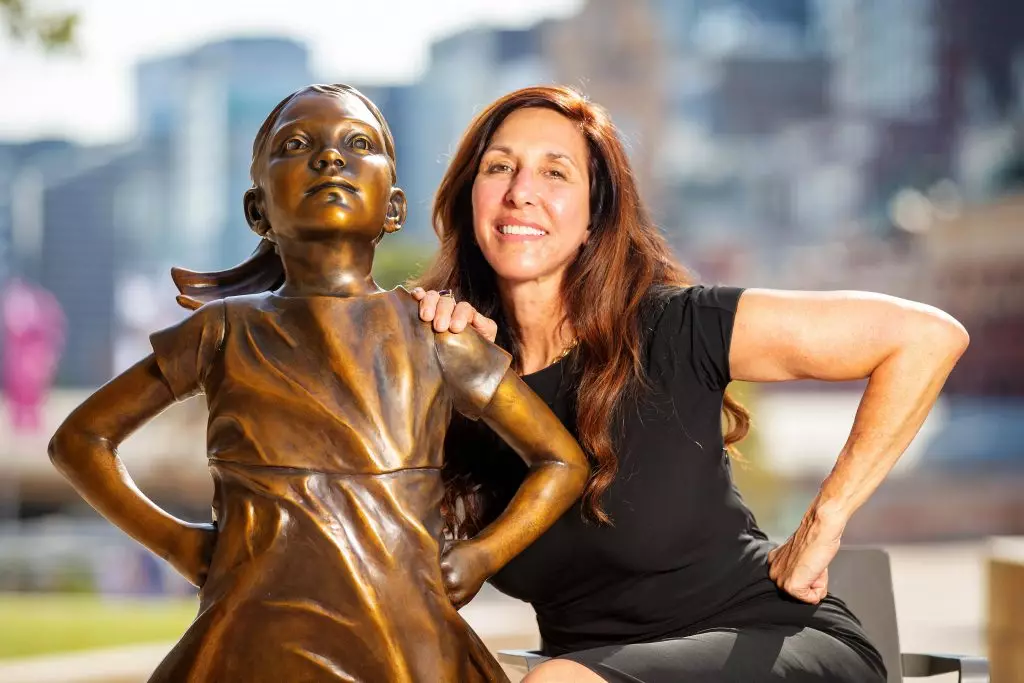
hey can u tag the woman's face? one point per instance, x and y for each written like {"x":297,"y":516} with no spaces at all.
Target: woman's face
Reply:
{"x":325,"y":170}
{"x":531,"y":196}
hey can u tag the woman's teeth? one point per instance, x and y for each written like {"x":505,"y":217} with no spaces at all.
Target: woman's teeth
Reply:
{"x":519,"y":230}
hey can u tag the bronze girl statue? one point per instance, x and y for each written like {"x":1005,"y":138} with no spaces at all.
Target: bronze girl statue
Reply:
{"x":328,"y":402}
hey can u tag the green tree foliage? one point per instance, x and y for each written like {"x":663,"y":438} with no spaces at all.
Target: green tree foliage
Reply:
{"x":51,"y":30}
{"x":397,"y":261}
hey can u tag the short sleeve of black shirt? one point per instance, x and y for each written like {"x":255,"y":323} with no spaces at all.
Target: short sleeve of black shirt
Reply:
{"x":692,"y":335}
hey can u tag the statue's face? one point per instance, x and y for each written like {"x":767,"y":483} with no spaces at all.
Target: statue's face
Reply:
{"x":325,"y":170}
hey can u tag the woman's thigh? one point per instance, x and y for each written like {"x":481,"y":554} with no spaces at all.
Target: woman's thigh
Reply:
{"x":562,"y":671}
{"x":748,"y":655}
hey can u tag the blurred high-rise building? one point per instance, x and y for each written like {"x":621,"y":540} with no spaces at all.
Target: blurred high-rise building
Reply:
{"x":885,"y":56}
{"x":59,"y":209}
{"x":201,"y":110}
{"x":700,"y":89}
{"x":84,"y":221}
{"x":25,"y":167}
{"x":466,"y":72}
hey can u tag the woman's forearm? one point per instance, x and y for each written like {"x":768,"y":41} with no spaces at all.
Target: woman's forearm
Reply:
{"x":899,"y":395}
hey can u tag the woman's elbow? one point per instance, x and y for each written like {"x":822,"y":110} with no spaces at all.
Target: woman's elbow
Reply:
{"x":941,"y":331}
{"x":960,"y":339}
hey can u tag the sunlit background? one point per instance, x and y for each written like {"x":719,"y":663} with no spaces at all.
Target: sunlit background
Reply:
{"x":812,"y":144}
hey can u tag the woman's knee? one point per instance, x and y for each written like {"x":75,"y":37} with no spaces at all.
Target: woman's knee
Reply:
{"x":562,"y":671}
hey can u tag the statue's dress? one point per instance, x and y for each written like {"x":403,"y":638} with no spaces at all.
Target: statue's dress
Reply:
{"x":327,"y":417}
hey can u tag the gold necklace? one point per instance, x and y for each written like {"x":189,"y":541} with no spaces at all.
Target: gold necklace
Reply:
{"x":565,"y":352}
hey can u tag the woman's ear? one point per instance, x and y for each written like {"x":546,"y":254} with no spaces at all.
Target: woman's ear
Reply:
{"x":254,"y":216}
{"x":397,"y":210}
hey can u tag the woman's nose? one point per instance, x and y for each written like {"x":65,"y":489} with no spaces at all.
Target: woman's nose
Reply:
{"x":522,"y":191}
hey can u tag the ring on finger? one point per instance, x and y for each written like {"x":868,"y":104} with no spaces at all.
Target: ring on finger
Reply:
{"x":445,"y":292}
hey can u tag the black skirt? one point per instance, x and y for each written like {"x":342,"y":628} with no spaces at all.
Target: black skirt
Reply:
{"x":755,"y":654}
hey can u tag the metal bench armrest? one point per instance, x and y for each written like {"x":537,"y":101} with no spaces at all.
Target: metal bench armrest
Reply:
{"x":521,"y":659}
{"x":970,"y":669}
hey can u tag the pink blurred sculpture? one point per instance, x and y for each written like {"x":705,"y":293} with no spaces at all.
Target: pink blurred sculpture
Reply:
{"x":32,"y":324}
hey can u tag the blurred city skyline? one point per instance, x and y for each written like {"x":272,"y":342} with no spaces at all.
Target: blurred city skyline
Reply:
{"x":113,"y":36}
{"x":805,"y":144}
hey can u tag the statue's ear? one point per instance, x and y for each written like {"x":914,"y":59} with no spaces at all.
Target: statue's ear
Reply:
{"x":398,"y":209}
{"x":252,"y":202}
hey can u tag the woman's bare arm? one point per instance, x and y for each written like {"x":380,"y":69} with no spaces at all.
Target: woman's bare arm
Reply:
{"x":905,"y":350}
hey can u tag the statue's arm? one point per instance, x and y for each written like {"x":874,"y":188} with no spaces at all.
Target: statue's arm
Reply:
{"x":558,"y":470}
{"x":483,"y":387}
{"x":84,"y":450}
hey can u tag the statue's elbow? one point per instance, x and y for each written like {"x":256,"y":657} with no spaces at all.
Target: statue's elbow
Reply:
{"x":580,"y":475}
{"x":58,"y":447}
{"x":66,"y":442}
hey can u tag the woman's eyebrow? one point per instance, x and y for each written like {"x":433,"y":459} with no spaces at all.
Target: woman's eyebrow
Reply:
{"x":561,"y":156}
{"x":551,"y":156}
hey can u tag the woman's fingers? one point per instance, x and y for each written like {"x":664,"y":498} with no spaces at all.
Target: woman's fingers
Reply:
{"x":487,"y":328}
{"x":443,"y":313}
{"x":462,"y":316}
{"x":428,"y":304}
{"x":447,"y":315}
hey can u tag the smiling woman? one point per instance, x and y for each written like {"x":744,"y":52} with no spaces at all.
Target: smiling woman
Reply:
{"x":661,"y":572}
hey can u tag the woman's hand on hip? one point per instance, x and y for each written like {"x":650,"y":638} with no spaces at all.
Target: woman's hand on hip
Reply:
{"x":800,"y":565}
{"x":449,"y":316}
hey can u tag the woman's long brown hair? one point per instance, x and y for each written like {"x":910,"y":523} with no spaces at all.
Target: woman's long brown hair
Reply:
{"x":606,"y":292}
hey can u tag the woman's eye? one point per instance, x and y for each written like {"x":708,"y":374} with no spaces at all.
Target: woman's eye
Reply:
{"x":555,"y":173}
{"x":498,"y":167}
{"x":294,"y":144}
{"x":362,"y":142}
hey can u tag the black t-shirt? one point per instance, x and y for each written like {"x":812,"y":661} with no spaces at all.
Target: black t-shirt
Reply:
{"x":684,"y":554}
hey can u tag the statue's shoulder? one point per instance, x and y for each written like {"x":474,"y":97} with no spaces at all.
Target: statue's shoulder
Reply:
{"x":472,"y":367}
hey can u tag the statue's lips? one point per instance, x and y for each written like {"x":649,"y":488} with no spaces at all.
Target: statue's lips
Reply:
{"x":333,"y":184}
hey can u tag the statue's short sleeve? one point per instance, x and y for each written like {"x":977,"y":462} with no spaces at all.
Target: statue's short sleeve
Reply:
{"x":472,"y":367}
{"x":185,"y":351}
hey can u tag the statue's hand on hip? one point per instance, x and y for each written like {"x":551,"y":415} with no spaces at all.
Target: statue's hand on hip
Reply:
{"x":464,"y":570}
{"x":193,"y":551}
